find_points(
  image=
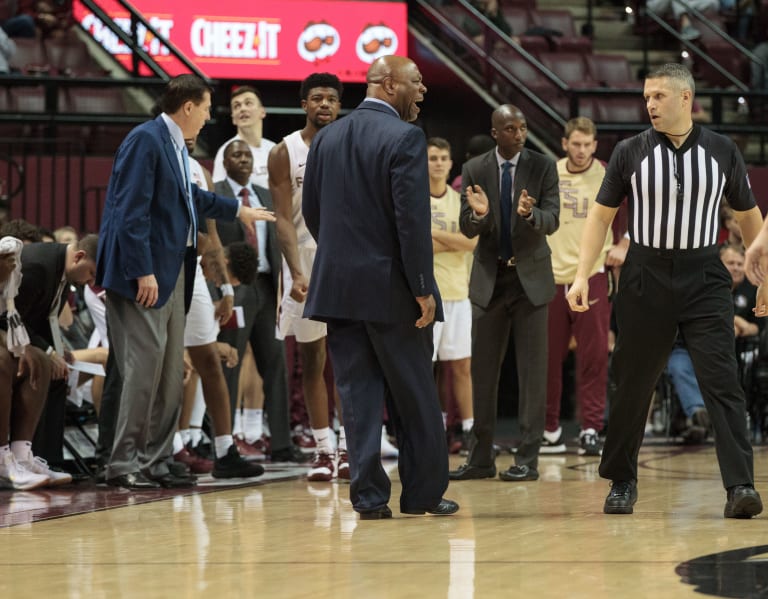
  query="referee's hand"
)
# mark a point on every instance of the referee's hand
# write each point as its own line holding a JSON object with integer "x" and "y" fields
{"x": 756, "y": 260}
{"x": 578, "y": 295}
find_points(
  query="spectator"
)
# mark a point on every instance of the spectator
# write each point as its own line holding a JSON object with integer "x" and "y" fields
{"x": 248, "y": 116}
{"x": 680, "y": 13}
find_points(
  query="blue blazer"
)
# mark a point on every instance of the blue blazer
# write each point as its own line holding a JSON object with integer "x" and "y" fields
{"x": 366, "y": 202}
{"x": 146, "y": 220}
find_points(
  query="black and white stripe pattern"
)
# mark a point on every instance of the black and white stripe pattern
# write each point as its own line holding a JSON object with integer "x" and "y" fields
{"x": 675, "y": 194}
{"x": 669, "y": 217}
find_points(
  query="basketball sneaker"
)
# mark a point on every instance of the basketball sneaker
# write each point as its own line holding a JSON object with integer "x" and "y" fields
{"x": 589, "y": 443}
{"x": 321, "y": 467}
{"x": 342, "y": 466}
{"x": 39, "y": 466}
{"x": 14, "y": 476}
{"x": 553, "y": 442}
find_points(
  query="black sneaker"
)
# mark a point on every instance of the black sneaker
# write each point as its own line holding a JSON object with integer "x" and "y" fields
{"x": 622, "y": 497}
{"x": 552, "y": 447}
{"x": 742, "y": 502}
{"x": 589, "y": 443}
{"x": 466, "y": 443}
{"x": 233, "y": 465}
{"x": 290, "y": 454}
{"x": 698, "y": 431}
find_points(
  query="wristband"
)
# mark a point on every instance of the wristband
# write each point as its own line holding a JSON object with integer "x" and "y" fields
{"x": 227, "y": 290}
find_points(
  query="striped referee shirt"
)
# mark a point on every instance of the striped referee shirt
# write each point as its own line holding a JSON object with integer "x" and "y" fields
{"x": 674, "y": 193}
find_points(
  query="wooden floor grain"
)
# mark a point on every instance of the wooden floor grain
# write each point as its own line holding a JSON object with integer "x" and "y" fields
{"x": 297, "y": 539}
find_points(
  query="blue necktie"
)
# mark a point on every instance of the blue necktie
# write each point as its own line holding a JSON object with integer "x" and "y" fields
{"x": 505, "y": 240}
{"x": 190, "y": 206}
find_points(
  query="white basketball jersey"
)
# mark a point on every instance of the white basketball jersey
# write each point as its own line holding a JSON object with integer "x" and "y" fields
{"x": 196, "y": 174}
{"x": 297, "y": 156}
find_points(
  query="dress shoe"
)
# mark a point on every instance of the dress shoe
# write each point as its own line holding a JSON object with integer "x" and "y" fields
{"x": 178, "y": 469}
{"x": 134, "y": 480}
{"x": 468, "y": 472}
{"x": 446, "y": 507}
{"x": 383, "y": 513}
{"x": 519, "y": 474}
{"x": 743, "y": 502}
{"x": 622, "y": 497}
{"x": 233, "y": 465}
{"x": 172, "y": 481}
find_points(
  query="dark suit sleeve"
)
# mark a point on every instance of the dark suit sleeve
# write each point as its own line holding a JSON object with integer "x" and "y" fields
{"x": 468, "y": 223}
{"x": 410, "y": 195}
{"x": 546, "y": 212}
{"x": 310, "y": 194}
{"x": 31, "y": 303}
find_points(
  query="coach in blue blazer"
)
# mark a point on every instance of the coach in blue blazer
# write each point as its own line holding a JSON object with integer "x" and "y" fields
{"x": 366, "y": 202}
{"x": 146, "y": 243}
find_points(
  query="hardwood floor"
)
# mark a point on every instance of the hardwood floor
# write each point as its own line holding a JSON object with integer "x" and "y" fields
{"x": 290, "y": 538}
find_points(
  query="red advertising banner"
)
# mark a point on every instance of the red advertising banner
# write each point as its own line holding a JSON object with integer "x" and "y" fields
{"x": 269, "y": 39}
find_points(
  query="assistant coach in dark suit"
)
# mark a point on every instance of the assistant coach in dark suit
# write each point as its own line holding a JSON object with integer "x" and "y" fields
{"x": 511, "y": 200}
{"x": 145, "y": 262}
{"x": 268, "y": 351}
{"x": 365, "y": 201}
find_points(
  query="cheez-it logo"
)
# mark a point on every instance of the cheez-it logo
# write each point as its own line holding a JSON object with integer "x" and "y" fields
{"x": 375, "y": 41}
{"x": 318, "y": 42}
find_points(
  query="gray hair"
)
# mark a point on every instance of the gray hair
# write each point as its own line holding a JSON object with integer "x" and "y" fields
{"x": 679, "y": 73}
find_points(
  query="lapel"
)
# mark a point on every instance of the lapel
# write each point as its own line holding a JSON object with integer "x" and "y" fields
{"x": 491, "y": 186}
{"x": 263, "y": 197}
{"x": 519, "y": 183}
{"x": 170, "y": 153}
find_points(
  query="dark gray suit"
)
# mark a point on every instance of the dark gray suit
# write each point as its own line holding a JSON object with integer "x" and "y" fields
{"x": 511, "y": 299}
{"x": 268, "y": 351}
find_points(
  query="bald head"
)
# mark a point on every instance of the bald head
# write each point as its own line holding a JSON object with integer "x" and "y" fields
{"x": 510, "y": 130}
{"x": 397, "y": 81}
{"x": 505, "y": 112}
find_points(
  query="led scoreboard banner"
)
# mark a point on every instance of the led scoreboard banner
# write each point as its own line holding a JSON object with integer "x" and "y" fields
{"x": 268, "y": 39}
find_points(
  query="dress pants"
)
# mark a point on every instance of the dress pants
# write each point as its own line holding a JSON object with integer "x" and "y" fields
{"x": 149, "y": 353}
{"x": 509, "y": 314}
{"x": 269, "y": 354}
{"x": 659, "y": 292}
{"x": 389, "y": 363}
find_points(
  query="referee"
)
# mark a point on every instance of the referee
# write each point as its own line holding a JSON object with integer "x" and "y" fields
{"x": 674, "y": 175}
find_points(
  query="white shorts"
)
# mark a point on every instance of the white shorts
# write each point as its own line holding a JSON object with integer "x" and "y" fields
{"x": 201, "y": 327}
{"x": 290, "y": 319}
{"x": 453, "y": 337}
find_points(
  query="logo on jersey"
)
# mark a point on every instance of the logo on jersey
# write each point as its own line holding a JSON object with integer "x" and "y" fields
{"x": 375, "y": 41}
{"x": 318, "y": 42}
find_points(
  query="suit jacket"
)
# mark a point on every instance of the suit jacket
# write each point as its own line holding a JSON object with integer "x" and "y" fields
{"x": 537, "y": 174}
{"x": 146, "y": 221}
{"x": 366, "y": 202}
{"x": 235, "y": 231}
{"x": 42, "y": 266}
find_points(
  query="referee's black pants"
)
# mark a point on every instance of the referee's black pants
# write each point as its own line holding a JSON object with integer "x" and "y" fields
{"x": 659, "y": 291}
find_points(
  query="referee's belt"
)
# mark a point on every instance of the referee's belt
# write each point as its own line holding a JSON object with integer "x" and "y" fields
{"x": 508, "y": 263}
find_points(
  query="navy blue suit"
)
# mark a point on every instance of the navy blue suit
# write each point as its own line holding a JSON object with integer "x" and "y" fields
{"x": 366, "y": 202}
{"x": 145, "y": 230}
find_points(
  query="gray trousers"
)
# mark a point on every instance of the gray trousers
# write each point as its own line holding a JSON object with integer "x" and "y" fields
{"x": 148, "y": 344}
